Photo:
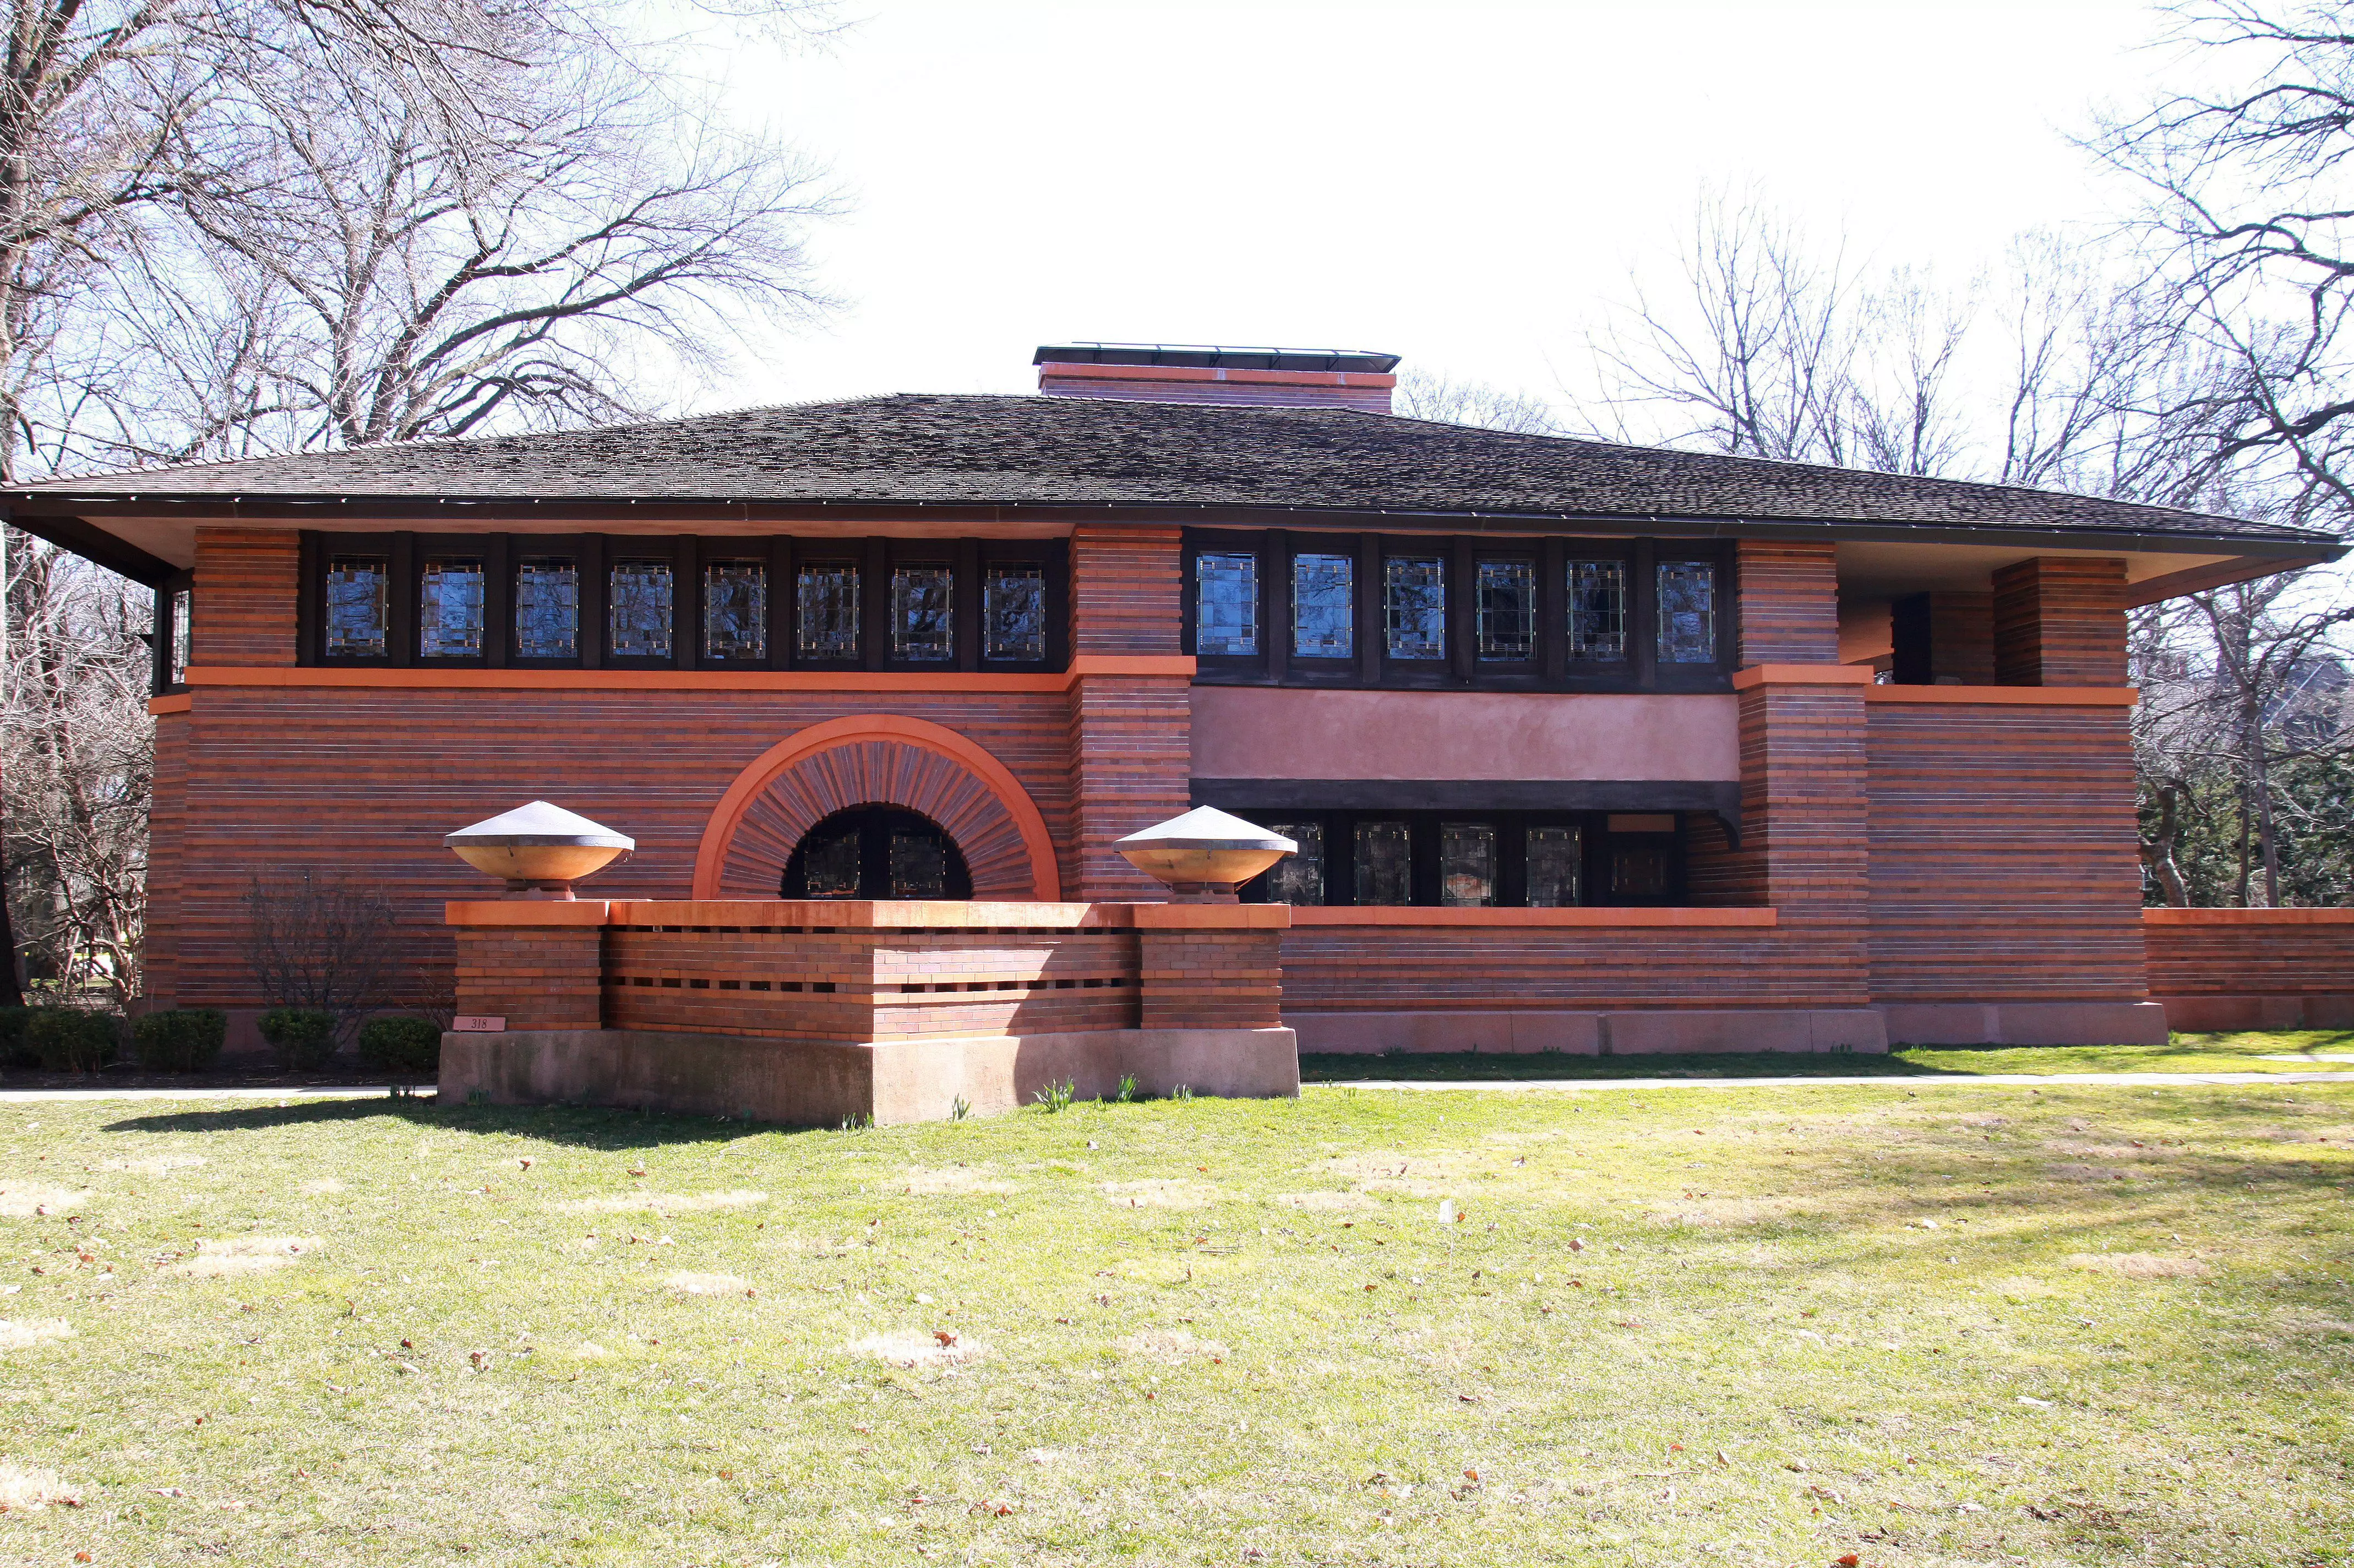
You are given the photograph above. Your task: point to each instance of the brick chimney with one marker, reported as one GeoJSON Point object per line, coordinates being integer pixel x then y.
{"type": "Point", "coordinates": [1164, 372]}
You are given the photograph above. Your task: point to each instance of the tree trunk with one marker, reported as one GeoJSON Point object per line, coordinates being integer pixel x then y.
{"type": "Point", "coordinates": [2158, 854]}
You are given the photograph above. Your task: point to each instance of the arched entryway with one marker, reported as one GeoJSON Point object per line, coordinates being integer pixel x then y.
{"type": "Point", "coordinates": [877, 852]}
{"type": "Point", "coordinates": [876, 760]}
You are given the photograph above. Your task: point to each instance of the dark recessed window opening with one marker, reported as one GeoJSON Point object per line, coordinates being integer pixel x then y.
{"type": "Point", "coordinates": [1598, 609]}
{"type": "Point", "coordinates": [1508, 611]}
{"type": "Point", "coordinates": [641, 609]}
{"type": "Point", "coordinates": [1324, 606]}
{"type": "Point", "coordinates": [1414, 605]}
{"type": "Point", "coordinates": [449, 610]}
{"type": "Point", "coordinates": [548, 608]}
{"type": "Point", "coordinates": [356, 618]}
{"type": "Point", "coordinates": [826, 619]}
{"type": "Point", "coordinates": [736, 613]}
{"type": "Point", "coordinates": [923, 619]}
{"type": "Point", "coordinates": [1472, 860]}
{"type": "Point", "coordinates": [1014, 611]}
{"type": "Point", "coordinates": [177, 665]}
{"type": "Point", "coordinates": [877, 852]}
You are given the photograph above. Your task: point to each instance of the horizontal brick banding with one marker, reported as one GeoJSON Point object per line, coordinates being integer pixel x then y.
{"type": "Point", "coordinates": [542, 977]}
{"type": "Point", "coordinates": [2249, 952]}
{"type": "Point", "coordinates": [243, 607]}
{"type": "Point", "coordinates": [2060, 621]}
{"type": "Point", "coordinates": [1212, 979]}
{"type": "Point", "coordinates": [1788, 603]}
{"type": "Point", "coordinates": [2004, 854]}
{"type": "Point", "coordinates": [1330, 969]}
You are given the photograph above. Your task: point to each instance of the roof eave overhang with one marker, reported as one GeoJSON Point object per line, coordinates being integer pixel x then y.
{"type": "Point", "coordinates": [73, 520]}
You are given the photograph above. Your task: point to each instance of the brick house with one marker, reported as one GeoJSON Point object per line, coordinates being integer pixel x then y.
{"type": "Point", "coordinates": [1587, 746]}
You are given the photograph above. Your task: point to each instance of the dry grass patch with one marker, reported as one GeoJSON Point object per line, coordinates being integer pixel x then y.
{"type": "Point", "coordinates": [2073, 1172]}
{"type": "Point", "coordinates": [707, 1284]}
{"type": "Point", "coordinates": [31, 1199]}
{"type": "Point", "coordinates": [24, 1491]}
{"type": "Point", "coordinates": [1170, 1345]}
{"type": "Point", "coordinates": [1326, 1202]}
{"type": "Point", "coordinates": [2139, 1265]}
{"type": "Point", "coordinates": [915, 1348]}
{"type": "Point", "coordinates": [953, 1179]}
{"type": "Point", "coordinates": [326, 1186]}
{"type": "Point", "coordinates": [24, 1333]}
{"type": "Point", "coordinates": [1164, 1192]}
{"type": "Point", "coordinates": [243, 1255]}
{"type": "Point", "coordinates": [155, 1165]}
{"type": "Point", "coordinates": [664, 1203]}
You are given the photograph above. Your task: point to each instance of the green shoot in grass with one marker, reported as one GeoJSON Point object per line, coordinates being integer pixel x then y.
{"type": "Point", "coordinates": [1056, 1096]}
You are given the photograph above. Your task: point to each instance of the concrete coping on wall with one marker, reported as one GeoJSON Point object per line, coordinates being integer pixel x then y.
{"type": "Point", "coordinates": [871, 915]}
{"type": "Point", "coordinates": [2167, 915]}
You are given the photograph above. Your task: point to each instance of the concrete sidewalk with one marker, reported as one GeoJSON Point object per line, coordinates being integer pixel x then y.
{"type": "Point", "coordinates": [1908, 1081]}
{"type": "Point", "coordinates": [307, 1091]}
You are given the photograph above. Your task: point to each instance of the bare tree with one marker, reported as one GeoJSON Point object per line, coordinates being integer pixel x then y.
{"type": "Point", "coordinates": [1446, 401]}
{"type": "Point", "coordinates": [79, 741]}
{"type": "Point", "coordinates": [319, 941]}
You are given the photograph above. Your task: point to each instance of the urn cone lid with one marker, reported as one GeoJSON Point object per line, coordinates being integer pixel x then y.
{"type": "Point", "coordinates": [539, 823]}
{"type": "Point", "coordinates": [1207, 828]}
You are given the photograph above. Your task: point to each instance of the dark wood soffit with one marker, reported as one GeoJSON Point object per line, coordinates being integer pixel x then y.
{"type": "Point", "coordinates": [2218, 573]}
{"type": "Point", "coordinates": [495, 513]}
{"type": "Point", "coordinates": [91, 544]}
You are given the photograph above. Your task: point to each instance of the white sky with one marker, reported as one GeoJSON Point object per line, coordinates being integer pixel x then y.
{"type": "Point", "coordinates": [1466, 184]}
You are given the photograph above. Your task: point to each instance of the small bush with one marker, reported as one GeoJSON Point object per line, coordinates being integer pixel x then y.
{"type": "Point", "coordinates": [180, 1039]}
{"type": "Point", "coordinates": [304, 1037]}
{"type": "Point", "coordinates": [13, 1052]}
{"type": "Point", "coordinates": [72, 1039]}
{"type": "Point", "coordinates": [401, 1045]}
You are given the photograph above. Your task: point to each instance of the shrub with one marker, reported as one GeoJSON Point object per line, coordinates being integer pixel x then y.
{"type": "Point", "coordinates": [304, 1037]}
{"type": "Point", "coordinates": [401, 1045]}
{"type": "Point", "coordinates": [72, 1039]}
{"type": "Point", "coordinates": [13, 1052]}
{"type": "Point", "coordinates": [180, 1039]}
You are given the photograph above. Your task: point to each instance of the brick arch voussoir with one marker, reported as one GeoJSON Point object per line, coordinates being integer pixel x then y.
{"type": "Point", "coordinates": [882, 761]}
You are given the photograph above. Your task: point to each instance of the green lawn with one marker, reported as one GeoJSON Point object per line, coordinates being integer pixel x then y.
{"type": "Point", "coordinates": [2075, 1325]}
{"type": "Point", "coordinates": [2296, 1051]}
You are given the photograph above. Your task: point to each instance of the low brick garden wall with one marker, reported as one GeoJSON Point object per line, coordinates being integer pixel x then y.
{"type": "Point", "coordinates": [2219, 970]}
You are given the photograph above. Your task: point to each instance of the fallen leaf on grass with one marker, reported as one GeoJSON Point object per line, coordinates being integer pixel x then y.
{"type": "Point", "coordinates": [34, 1200]}
{"type": "Point", "coordinates": [910, 1347]}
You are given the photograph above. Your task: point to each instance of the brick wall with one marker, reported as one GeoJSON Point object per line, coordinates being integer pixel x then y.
{"type": "Point", "coordinates": [2060, 621]}
{"type": "Point", "coordinates": [1487, 968]}
{"type": "Point", "coordinates": [1125, 589]}
{"type": "Point", "coordinates": [2235, 953]}
{"type": "Point", "coordinates": [2005, 859]}
{"type": "Point", "coordinates": [1788, 604]}
{"type": "Point", "coordinates": [244, 608]}
{"type": "Point", "coordinates": [160, 953]}
{"type": "Point", "coordinates": [1212, 979]}
{"type": "Point", "coordinates": [534, 977]}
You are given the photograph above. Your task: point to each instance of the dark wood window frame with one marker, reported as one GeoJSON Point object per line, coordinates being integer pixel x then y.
{"type": "Point", "coordinates": [1598, 846]}
{"type": "Point", "coordinates": [405, 554]}
{"type": "Point", "coordinates": [1552, 669]}
{"type": "Point", "coordinates": [159, 641]}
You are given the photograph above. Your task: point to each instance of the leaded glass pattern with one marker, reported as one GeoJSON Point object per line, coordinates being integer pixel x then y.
{"type": "Point", "coordinates": [1324, 608]}
{"type": "Point", "coordinates": [1385, 864]}
{"type": "Point", "coordinates": [1598, 609]}
{"type": "Point", "coordinates": [918, 865]}
{"type": "Point", "coordinates": [1466, 864]}
{"type": "Point", "coordinates": [356, 607]}
{"type": "Point", "coordinates": [548, 608]}
{"type": "Point", "coordinates": [1414, 605]}
{"type": "Point", "coordinates": [640, 609]}
{"type": "Point", "coordinates": [1014, 610]}
{"type": "Point", "coordinates": [1639, 871]}
{"type": "Point", "coordinates": [825, 619]}
{"type": "Point", "coordinates": [1298, 878]}
{"type": "Point", "coordinates": [1556, 865]}
{"type": "Point", "coordinates": [449, 610]}
{"type": "Point", "coordinates": [176, 673]}
{"type": "Point", "coordinates": [735, 612]}
{"type": "Point", "coordinates": [923, 620]}
{"type": "Point", "coordinates": [1508, 611]}
{"type": "Point", "coordinates": [1225, 604]}
{"type": "Point", "coordinates": [832, 863]}
{"type": "Point", "coordinates": [1687, 612]}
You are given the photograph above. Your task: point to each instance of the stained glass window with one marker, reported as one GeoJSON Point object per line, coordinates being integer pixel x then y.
{"type": "Point", "coordinates": [450, 610]}
{"type": "Point", "coordinates": [1687, 612]}
{"type": "Point", "coordinates": [735, 612]}
{"type": "Point", "coordinates": [923, 625]}
{"type": "Point", "coordinates": [1014, 610]}
{"type": "Point", "coordinates": [548, 608]}
{"type": "Point", "coordinates": [1508, 611]}
{"type": "Point", "coordinates": [1556, 864]}
{"type": "Point", "coordinates": [356, 607]}
{"type": "Point", "coordinates": [1598, 609]}
{"type": "Point", "coordinates": [1414, 606]}
{"type": "Point", "coordinates": [1323, 609]}
{"type": "Point", "coordinates": [640, 610]}
{"type": "Point", "coordinates": [1466, 864]}
{"type": "Point", "coordinates": [1225, 604]}
{"type": "Point", "coordinates": [1298, 878]}
{"type": "Point", "coordinates": [826, 621]}
{"type": "Point", "coordinates": [832, 862]}
{"type": "Point", "coordinates": [1641, 870]}
{"type": "Point", "coordinates": [1385, 864]}
{"type": "Point", "coordinates": [182, 639]}
{"type": "Point", "coordinates": [918, 863]}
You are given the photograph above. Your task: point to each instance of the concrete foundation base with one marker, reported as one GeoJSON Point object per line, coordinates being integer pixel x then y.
{"type": "Point", "coordinates": [1653, 1031]}
{"type": "Point", "coordinates": [2231, 1015]}
{"type": "Point", "coordinates": [2026, 1023]}
{"type": "Point", "coordinates": [818, 1084]}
